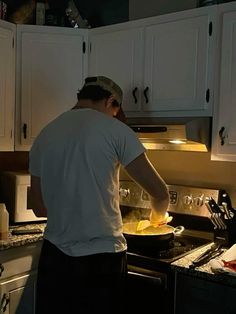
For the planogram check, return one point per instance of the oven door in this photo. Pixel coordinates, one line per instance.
(146, 290)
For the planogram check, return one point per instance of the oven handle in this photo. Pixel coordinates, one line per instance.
(157, 281)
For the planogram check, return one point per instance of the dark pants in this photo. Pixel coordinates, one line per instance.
(86, 285)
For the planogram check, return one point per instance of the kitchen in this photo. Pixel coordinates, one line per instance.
(180, 168)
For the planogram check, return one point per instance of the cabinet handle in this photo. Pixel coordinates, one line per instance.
(145, 94)
(25, 130)
(222, 135)
(134, 95)
(1, 269)
(4, 302)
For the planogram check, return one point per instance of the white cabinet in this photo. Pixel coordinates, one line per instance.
(18, 275)
(7, 85)
(51, 67)
(17, 295)
(163, 64)
(224, 126)
(118, 54)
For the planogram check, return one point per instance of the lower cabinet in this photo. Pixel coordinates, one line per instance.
(18, 274)
(17, 295)
(194, 295)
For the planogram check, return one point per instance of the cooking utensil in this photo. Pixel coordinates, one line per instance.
(214, 251)
(212, 217)
(143, 224)
(216, 214)
(151, 236)
(228, 213)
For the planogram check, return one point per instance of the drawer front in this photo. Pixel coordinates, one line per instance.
(18, 260)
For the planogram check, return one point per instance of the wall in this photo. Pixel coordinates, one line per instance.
(140, 9)
(188, 168)
(14, 161)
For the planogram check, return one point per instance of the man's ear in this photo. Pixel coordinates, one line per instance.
(121, 115)
(110, 101)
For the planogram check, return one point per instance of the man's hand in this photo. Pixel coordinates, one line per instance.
(157, 219)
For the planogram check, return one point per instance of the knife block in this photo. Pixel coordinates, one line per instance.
(227, 237)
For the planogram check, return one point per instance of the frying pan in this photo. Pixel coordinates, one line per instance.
(151, 236)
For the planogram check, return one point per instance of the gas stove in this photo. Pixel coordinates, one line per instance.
(188, 208)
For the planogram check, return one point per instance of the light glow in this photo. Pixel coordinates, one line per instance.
(177, 142)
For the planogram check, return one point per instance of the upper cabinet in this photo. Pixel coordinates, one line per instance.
(51, 67)
(7, 85)
(118, 54)
(224, 126)
(163, 64)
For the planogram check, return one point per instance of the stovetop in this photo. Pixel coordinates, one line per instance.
(177, 248)
(187, 207)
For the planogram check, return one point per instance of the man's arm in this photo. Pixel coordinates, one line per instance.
(143, 172)
(39, 208)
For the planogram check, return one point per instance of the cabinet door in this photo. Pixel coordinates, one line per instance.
(7, 86)
(18, 295)
(118, 55)
(194, 295)
(51, 72)
(224, 135)
(176, 66)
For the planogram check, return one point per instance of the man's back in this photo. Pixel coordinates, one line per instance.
(78, 159)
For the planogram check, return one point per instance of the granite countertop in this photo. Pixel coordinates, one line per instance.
(204, 271)
(20, 240)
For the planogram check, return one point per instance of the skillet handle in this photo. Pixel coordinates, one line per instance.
(179, 229)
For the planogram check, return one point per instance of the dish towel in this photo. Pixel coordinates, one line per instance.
(226, 263)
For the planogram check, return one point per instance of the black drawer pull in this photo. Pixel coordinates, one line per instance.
(145, 94)
(134, 95)
(25, 130)
(1, 269)
(222, 135)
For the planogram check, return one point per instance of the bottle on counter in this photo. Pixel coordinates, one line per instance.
(4, 222)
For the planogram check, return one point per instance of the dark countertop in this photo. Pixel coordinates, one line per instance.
(20, 240)
(204, 271)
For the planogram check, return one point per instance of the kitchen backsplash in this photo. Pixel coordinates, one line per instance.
(185, 168)
(197, 169)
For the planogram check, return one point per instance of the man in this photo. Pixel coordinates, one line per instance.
(74, 166)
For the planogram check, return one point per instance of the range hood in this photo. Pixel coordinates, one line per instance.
(179, 134)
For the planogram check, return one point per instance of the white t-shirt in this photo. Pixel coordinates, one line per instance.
(77, 157)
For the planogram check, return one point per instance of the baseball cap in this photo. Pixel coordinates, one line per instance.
(107, 84)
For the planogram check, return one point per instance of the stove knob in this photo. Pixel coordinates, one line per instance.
(124, 192)
(198, 201)
(188, 200)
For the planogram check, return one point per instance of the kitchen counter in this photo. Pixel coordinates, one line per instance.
(20, 240)
(204, 271)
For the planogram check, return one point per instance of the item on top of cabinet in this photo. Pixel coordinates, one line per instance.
(3, 10)
(4, 222)
(23, 14)
(54, 17)
(74, 16)
(40, 13)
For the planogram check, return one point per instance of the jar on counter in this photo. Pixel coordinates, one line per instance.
(4, 222)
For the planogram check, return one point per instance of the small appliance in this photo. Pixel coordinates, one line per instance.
(16, 194)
